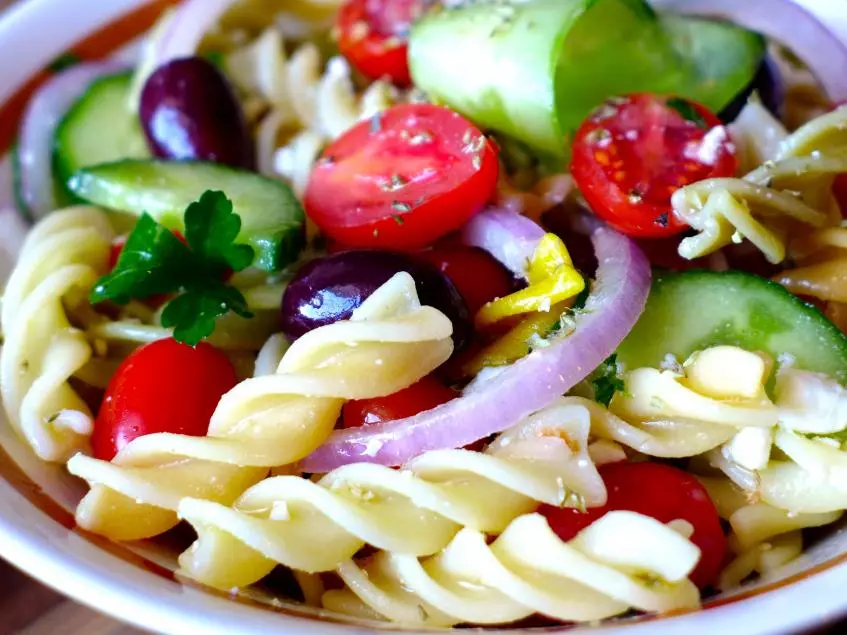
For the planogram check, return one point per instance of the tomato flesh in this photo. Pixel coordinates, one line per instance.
(163, 386)
(420, 396)
(402, 179)
(374, 36)
(634, 152)
(661, 492)
(478, 276)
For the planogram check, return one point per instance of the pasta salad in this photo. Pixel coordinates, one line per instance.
(463, 313)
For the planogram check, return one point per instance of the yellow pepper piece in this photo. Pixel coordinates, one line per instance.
(516, 342)
(552, 279)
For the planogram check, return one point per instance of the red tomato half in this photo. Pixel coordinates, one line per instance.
(478, 276)
(374, 36)
(163, 386)
(661, 492)
(403, 179)
(633, 152)
(423, 395)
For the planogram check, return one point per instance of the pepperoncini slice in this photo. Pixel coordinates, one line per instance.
(516, 342)
(552, 279)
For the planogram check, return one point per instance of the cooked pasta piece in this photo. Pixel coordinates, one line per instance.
(335, 108)
(316, 526)
(821, 271)
(763, 537)
(716, 395)
(792, 190)
(61, 259)
(809, 478)
(390, 342)
(308, 103)
(622, 561)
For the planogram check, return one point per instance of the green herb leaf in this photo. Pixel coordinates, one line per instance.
(148, 261)
(211, 228)
(154, 261)
(687, 111)
(606, 381)
(64, 61)
(192, 315)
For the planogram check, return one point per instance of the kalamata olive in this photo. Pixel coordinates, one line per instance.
(768, 83)
(331, 288)
(189, 111)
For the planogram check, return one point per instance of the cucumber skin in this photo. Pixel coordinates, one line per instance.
(66, 159)
(696, 309)
(535, 70)
(164, 189)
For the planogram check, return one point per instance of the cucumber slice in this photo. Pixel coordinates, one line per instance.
(535, 70)
(98, 129)
(693, 310)
(272, 218)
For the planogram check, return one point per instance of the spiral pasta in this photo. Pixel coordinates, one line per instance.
(763, 537)
(336, 108)
(716, 396)
(60, 261)
(316, 526)
(622, 561)
(793, 189)
(311, 104)
(390, 342)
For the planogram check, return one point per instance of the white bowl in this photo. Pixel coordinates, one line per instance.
(134, 582)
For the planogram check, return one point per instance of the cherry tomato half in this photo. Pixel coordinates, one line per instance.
(661, 492)
(374, 36)
(633, 153)
(163, 386)
(420, 396)
(478, 276)
(403, 179)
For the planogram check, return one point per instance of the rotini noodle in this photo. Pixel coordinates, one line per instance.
(60, 261)
(390, 342)
(763, 537)
(622, 561)
(316, 526)
(793, 189)
(311, 104)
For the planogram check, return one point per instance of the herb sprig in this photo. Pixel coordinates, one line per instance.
(154, 262)
(606, 381)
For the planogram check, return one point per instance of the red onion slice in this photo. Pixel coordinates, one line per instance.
(35, 144)
(187, 27)
(788, 23)
(506, 235)
(528, 385)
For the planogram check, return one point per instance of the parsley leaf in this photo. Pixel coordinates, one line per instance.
(63, 62)
(606, 381)
(154, 262)
(686, 111)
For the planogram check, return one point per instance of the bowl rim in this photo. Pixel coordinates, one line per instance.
(76, 564)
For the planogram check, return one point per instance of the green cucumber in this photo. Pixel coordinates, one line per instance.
(98, 128)
(272, 218)
(696, 309)
(535, 69)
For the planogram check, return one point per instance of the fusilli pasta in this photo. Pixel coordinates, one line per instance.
(763, 537)
(61, 259)
(621, 561)
(793, 188)
(390, 342)
(316, 526)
